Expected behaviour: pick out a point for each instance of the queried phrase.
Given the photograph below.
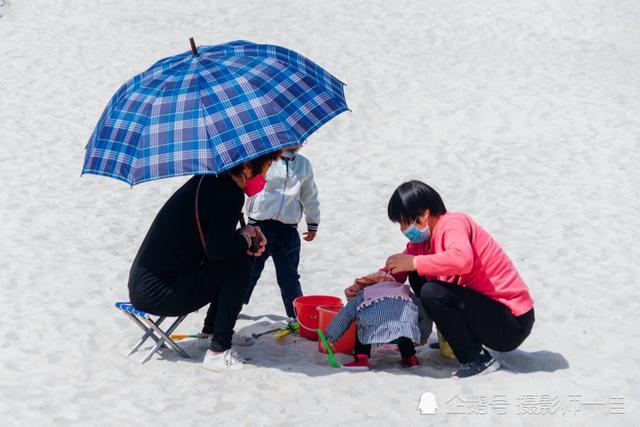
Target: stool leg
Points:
(164, 337)
(141, 325)
(153, 350)
(167, 339)
(148, 333)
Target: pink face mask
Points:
(254, 185)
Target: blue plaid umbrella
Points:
(209, 109)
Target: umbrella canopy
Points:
(209, 109)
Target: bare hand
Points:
(309, 235)
(399, 263)
(370, 279)
(351, 291)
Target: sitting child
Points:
(384, 312)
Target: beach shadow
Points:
(298, 355)
(197, 354)
(523, 362)
(274, 317)
(295, 354)
(167, 354)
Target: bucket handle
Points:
(300, 323)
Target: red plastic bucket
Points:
(306, 308)
(346, 342)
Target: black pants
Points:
(468, 319)
(283, 245)
(405, 345)
(222, 285)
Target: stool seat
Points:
(129, 308)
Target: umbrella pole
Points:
(194, 50)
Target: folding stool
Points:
(151, 330)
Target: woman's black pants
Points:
(222, 285)
(469, 320)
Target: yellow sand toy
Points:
(292, 327)
(445, 348)
(178, 337)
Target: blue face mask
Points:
(416, 235)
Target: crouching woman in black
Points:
(194, 255)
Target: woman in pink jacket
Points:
(467, 284)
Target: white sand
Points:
(525, 115)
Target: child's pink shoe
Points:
(410, 362)
(360, 363)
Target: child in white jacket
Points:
(277, 210)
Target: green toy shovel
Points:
(332, 358)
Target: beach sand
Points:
(525, 115)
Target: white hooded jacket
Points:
(290, 191)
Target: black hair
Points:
(256, 165)
(411, 199)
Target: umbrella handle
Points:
(254, 245)
(254, 242)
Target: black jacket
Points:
(173, 244)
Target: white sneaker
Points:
(204, 341)
(228, 360)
